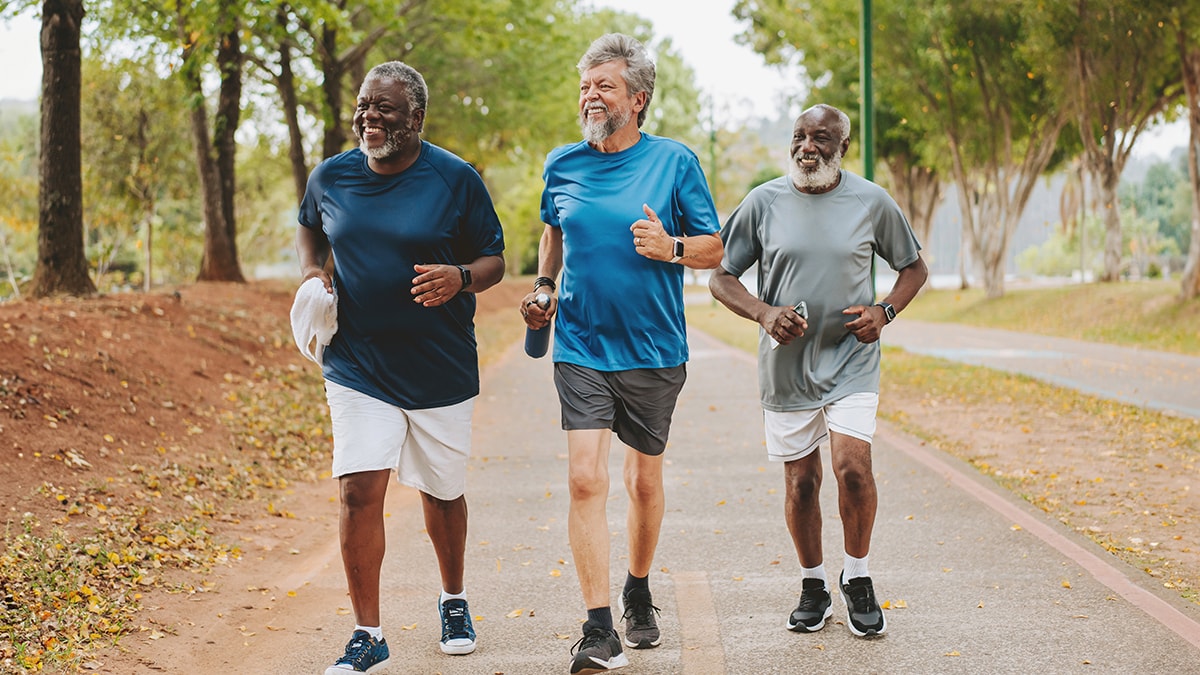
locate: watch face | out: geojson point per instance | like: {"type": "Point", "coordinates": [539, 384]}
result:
{"type": "Point", "coordinates": [678, 248]}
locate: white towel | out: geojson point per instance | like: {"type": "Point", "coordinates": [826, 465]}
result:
{"type": "Point", "coordinates": [314, 318]}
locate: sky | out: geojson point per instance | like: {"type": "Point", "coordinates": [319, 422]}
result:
{"type": "Point", "coordinates": [702, 31]}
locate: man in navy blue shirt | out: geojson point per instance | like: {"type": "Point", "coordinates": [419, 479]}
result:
{"type": "Point", "coordinates": [413, 235]}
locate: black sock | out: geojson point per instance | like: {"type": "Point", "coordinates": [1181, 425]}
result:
{"type": "Point", "coordinates": [632, 582]}
{"type": "Point", "coordinates": [602, 616]}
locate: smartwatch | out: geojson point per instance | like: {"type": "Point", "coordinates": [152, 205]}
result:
{"type": "Point", "coordinates": [466, 277]}
{"type": "Point", "coordinates": [677, 249]}
{"type": "Point", "coordinates": [889, 312]}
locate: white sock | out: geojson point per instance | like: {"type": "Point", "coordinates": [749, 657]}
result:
{"type": "Point", "coordinates": [374, 631]}
{"type": "Point", "coordinates": [452, 596]}
{"type": "Point", "coordinates": [817, 572]}
{"type": "Point", "coordinates": [855, 568]}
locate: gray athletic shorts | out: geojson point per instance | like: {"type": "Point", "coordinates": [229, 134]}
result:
{"type": "Point", "coordinates": [636, 404]}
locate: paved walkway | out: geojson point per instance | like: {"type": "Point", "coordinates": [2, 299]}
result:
{"type": "Point", "coordinates": [1158, 380]}
{"type": "Point", "coordinates": [976, 581]}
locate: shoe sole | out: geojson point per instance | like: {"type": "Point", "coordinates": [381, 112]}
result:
{"type": "Point", "coordinates": [618, 661]}
{"type": "Point", "coordinates": [456, 650]}
{"type": "Point", "coordinates": [801, 628]}
{"type": "Point", "coordinates": [870, 632]}
{"type": "Point", "coordinates": [640, 644]}
{"type": "Point", "coordinates": [334, 670]}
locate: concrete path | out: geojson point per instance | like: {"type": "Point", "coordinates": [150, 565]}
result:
{"type": "Point", "coordinates": [1158, 380]}
{"type": "Point", "coordinates": [976, 581]}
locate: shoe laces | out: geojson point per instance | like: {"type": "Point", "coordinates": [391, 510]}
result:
{"type": "Point", "coordinates": [862, 596]}
{"type": "Point", "coordinates": [811, 600]}
{"type": "Point", "coordinates": [593, 636]}
{"type": "Point", "coordinates": [358, 651]}
{"type": "Point", "coordinates": [638, 606]}
{"type": "Point", "coordinates": [454, 619]}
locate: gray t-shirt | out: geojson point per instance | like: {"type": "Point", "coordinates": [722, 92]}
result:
{"type": "Point", "coordinates": [817, 248]}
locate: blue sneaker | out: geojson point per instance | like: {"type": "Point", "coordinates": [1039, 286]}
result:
{"type": "Point", "coordinates": [363, 655]}
{"type": "Point", "coordinates": [458, 635]}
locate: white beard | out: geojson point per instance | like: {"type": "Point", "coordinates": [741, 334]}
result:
{"type": "Point", "coordinates": [599, 131]}
{"type": "Point", "coordinates": [825, 175]}
{"type": "Point", "coordinates": [391, 145]}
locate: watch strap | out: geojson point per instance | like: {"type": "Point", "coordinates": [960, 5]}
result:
{"type": "Point", "coordinates": [466, 277]}
{"type": "Point", "coordinates": [676, 249]}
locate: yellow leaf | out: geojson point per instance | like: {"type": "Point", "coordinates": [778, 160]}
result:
{"type": "Point", "coordinates": [953, 653]}
{"type": "Point", "coordinates": [411, 626]}
{"type": "Point", "coordinates": [1066, 583]}
{"type": "Point", "coordinates": [515, 613]}
{"type": "Point", "coordinates": [1015, 527]}
{"type": "Point", "coordinates": [291, 594]}
{"type": "Point", "coordinates": [556, 573]}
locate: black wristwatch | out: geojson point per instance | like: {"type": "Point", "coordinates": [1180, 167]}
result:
{"type": "Point", "coordinates": [466, 276]}
{"type": "Point", "coordinates": [888, 311]}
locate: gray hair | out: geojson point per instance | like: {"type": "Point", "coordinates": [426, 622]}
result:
{"type": "Point", "coordinates": [843, 118]}
{"type": "Point", "coordinates": [639, 69]}
{"type": "Point", "coordinates": [408, 77]}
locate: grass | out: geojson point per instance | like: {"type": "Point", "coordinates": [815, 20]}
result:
{"type": "Point", "coordinates": [1146, 314]}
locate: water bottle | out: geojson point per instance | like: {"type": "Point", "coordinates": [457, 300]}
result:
{"type": "Point", "coordinates": [538, 341]}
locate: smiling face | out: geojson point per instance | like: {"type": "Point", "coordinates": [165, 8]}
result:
{"type": "Point", "coordinates": [384, 122]}
{"type": "Point", "coordinates": [605, 104]}
{"type": "Point", "coordinates": [817, 149]}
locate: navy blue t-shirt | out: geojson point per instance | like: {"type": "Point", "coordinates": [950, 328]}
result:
{"type": "Point", "coordinates": [437, 211]}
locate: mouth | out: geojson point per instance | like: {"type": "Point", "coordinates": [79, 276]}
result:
{"type": "Point", "coordinates": [596, 110]}
{"type": "Point", "coordinates": [373, 132]}
{"type": "Point", "coordinates": [808, 161]}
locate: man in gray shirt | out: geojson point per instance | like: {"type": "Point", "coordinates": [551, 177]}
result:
{"type": "Point", "coordinates": [813, 235]}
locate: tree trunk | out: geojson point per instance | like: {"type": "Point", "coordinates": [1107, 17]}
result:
{"type": "Point", "coordinates": [334, 140]}
{"type": "Point", "coordinates": [62, 262]}
{"type": "Point", "coordinates": [225, 265]}
{"type": "Point", "coordinates": [1189, 56]}
{"type": "Point", "coordinates": [1107, 177]}
{"type": "Point", "coordinates": [291, 113]}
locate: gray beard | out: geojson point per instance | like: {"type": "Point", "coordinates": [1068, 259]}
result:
{"type": "Point", "coordinates": [391, 145]}
{"type": "Point", "coordinates": [598, 132]}
{"type": "Point", "coordinates": [825, 175]}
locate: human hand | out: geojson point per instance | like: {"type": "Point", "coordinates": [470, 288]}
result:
{"type": "Point", "coordinates": [318, 273]}
{"type": "Point", "coordinates": [783, 324]}
{"type": "Point", "coordinates": [436, 284]}
{"type": "Point", "coordinates": [536, 315]}
{"type": "Point", "coordinates": [650, 240]}
{"type": "Point", "coordinates": [864, 322]}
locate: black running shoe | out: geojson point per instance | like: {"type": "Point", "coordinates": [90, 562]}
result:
{"type": "Point", "coordinates": [597, 651]}
{"type": "Point", "coordinates": [363, 655]}
{"type": "Point", "coordinates": [864, 617]}
{"type": "Point", "coordinates": [815, 606]}
{"type": "Point", "coordinates": [637, 611]}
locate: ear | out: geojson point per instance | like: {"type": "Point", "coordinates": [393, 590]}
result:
{"type": "Point", "coordinates": [639, 101]}
{"type": "Point", "coordinates": [419, 120]}
{"type": "Point", "coordinates": [845, 146]}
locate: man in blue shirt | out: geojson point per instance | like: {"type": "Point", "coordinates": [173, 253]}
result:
{"type": "Point", "coordinates": [413, 235]}
{"type": "Point", "coordinates": [625, 212]}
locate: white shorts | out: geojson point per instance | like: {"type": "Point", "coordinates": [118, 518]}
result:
{"type": "Point", "coordinates": [427, 448]}
{"type": "Point", "coordinates": [793, 435]}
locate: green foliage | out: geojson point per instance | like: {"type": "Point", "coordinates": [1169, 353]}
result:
{"type": "Point", "coordinates": [1165, 198]}
{"type": "Point", "coordinates": [18, 192]}
{"type": "Point", "coordinates": [139, 168]}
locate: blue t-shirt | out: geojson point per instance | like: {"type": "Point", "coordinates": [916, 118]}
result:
{"type": "Point", "coordinates": [437, 211]}
{"type": "Point", "coordinates": [618, 310]}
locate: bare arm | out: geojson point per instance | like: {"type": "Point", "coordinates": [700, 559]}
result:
{"type": "Point", "coordinates": [312, 248]}
{"type": "Point", "coordinates": [650, 240]}
{"type": "Point", "coordinates": [781, 323]}
{"type": "Point", "coordinates": [550, 262]}
{"type": "Point", "coordinates": [869, 325]}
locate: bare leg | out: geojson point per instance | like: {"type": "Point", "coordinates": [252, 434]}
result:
{"type": "Point", "coordinates": [587, 524]}
{"type": "Point", "coordinates": [362, 540]}
{"type": "Point", "coordinates": [644, 482]}
{"type": "Point", "coordinates": [857, 498]}
{"type": "Point", "coordinates": [446, 523]}
{"type": "Point", "coordinates": [802, 504]}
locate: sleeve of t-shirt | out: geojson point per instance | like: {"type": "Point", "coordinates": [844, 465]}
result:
{"type": "Point", "coordinates": [549, 211]}
{"type": "Point", "coordinates": [482, 224]}
{"type": "Point", "coordinates": [894, 238]}
{"type": "Point", "coordinates": [740, 236]}
{"type": "Point", "coordinates": [698, 213]}
{"type": "Point", "coordinates": [310, 206]}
